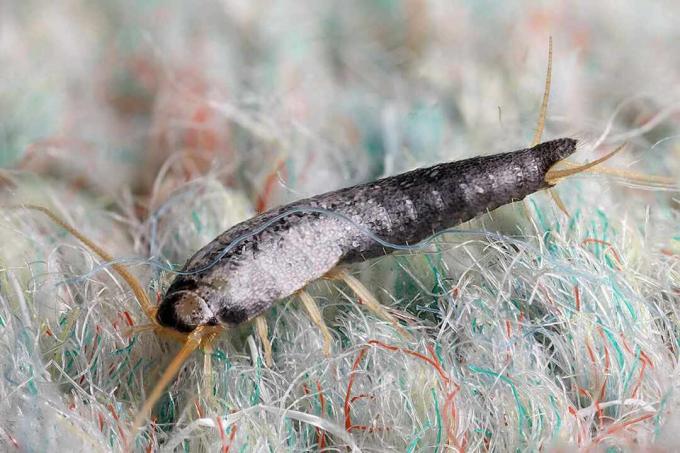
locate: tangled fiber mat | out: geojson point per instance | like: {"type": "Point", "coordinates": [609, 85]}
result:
{"type": "Point", "coordinates": [153, 126]}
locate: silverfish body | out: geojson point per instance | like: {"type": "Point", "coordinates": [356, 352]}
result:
{"type": "Point", "coordinates": [303, 246]}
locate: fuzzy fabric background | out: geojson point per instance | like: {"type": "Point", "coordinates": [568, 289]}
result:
{"type": "Point", "coordinates": [153, 126]}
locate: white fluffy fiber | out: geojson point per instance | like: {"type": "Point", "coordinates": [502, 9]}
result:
{"type": "Point", "coordinates": [153, 126]}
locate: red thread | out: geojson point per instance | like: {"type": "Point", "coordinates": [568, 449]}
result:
{"type": "Point", "coordinates": [232, 436]}
{"type": "Point", "coordinates": [350, 384]}
{"type": "Point", "coordinates": [639, 380]}
{"type": "Point", "coordinates": [14, 441]}
{"type": "Point", "coordinates": [619, 426]}
{"type": "Point", "coordinates": [577, 298]}
{"type": "Point", "coordinates": [449, 404]}
{"type": "Point", "coordinates": [199, 409]}
{"type": "Point", "coordinates": [319, 432]}
{"type": "Point", "coordinates": [590, 352]}
{"type": "Point", "coordinates": [120, 430]}
{"type": "Point", "coordinates": [223, 438]}
{"type": "Point", "coordinates": [645, 357]}
{"type": "Point", "coordinates": [263, 198]}
{"type": "Point", "coordinates": [362, 396]}
{"type": "Point", "coordinates": [152, 441]}
{"type": "Point", "coordinates": [418, 355]}
{"type": "Point", "coordinates": [609, 247]}
{"type": "Point", "coordinates": [606, 350]}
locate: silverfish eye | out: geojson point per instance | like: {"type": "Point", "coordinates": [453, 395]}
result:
{"type": "Point", "coordinates": [184, 311]}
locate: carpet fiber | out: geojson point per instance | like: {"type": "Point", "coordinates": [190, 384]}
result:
{"type": "Point", "coordinates": [154, 126]}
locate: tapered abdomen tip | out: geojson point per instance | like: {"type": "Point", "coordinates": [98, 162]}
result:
{"type": "Point", "coordinates": [556, 150]}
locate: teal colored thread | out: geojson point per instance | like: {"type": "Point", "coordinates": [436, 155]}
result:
{"type": "Point", "coordinates": [558, 227]}
{"type": "Point", "coordinates": [218, 355]}
{"type": "Point", "coordinates": [558, 422]}
{"type": "Point", "coordinates": [255, 395]}
{"type": "Point", "coordinates": [517, 304]}
{"type": "Point", "coordinates": [2, 321]}
{"type": "Point", "coordinates": [433, 269]}
{"type": "Point", "coordinates": [119, 367]}
{"type": "Point", "coordinates": [87, 338]}
{"type": "Point", "coordinates": [484, 307]}
{"type": "Point", "coordinates": [344, 338]}
{"type": "Point", "coordinates": [522, 413]}
{"type": "Point", "coordinates": [488, 434]}
{"type": "Point", "coordinates": [166, 410]}
{"type": "Point", "coordinates": [477, 328]}
{"type": "Point", "coordinates": [306, 435]}
{"type": "Point", "coordinates": [595, 245]}
{"type": "Point", "coordinates": [438, 352]}
{"type": "Point", "coordinates": [424, 128]}
{"type": "Point", "coordinates": [131, 374]}
{"type": "Point", "coordinates": [185, 446]}
{"type": "Point", "coordinates": [545, 226]}
{"type": "Point", "coordinates": [657, 417]}
{"type": "Point", "coordinates": [69, 360]}
{"type": "Point", "coordinates": [329, 406]}
{"type": "Point", "coordinates": [619, 298]}
{"type": "Point", "coordinates": [541, 218]}
{"type": "Point", "coordinates": [317, 401]}
{"type": "Point", "coordinates": [372, 141]}
{"type": "Point", "coordinates": [405, 288]}
{"type": "Point", "coordinates": [127, 348]}
{"type": "Point", "coordinates": [610, 262]}
{"type": "Point", "coordinates": [291, 434]}
{"type": "Point", "coordinates": [33, 390]}
{"type": "Point", "coordinates": [619, 353]}
{"type": "Point", "coordinates": [605, 223]}
{"type": "Point", "coordinates": [412, 446]}
{"type": "Point", "coordinates": [404, 387]}
{"type": "Point", "coordinates": [539, 428]}
{"type": "Point", "coordinates": [629, 375]}
{"type": "Point", "coordinates": [317, 405]}
{"type": "Point", "coordinates": [437, 289]}
{"type": "Point", "coordinates": [439, 419]}
{"type": "Point", "coordinates": [573, 221]}
{"type": "Point", "coordinates": [197, 221]}
{"type": "Point", "coordinates": [93, 368]}
{"type": "Point", "coordinates": [541, 421]}
{"type": "Point", "coordinates": [26, 340]}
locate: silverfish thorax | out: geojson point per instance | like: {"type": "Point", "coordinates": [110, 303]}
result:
{"type": "Point", "coordinates": [302, 246]}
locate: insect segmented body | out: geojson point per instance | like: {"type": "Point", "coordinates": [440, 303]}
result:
{"type": "Point", "coordinates": [296, 244]}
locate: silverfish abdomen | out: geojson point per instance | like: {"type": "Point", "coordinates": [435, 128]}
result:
{"type": "Point", "coordinates": [303, 246]}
